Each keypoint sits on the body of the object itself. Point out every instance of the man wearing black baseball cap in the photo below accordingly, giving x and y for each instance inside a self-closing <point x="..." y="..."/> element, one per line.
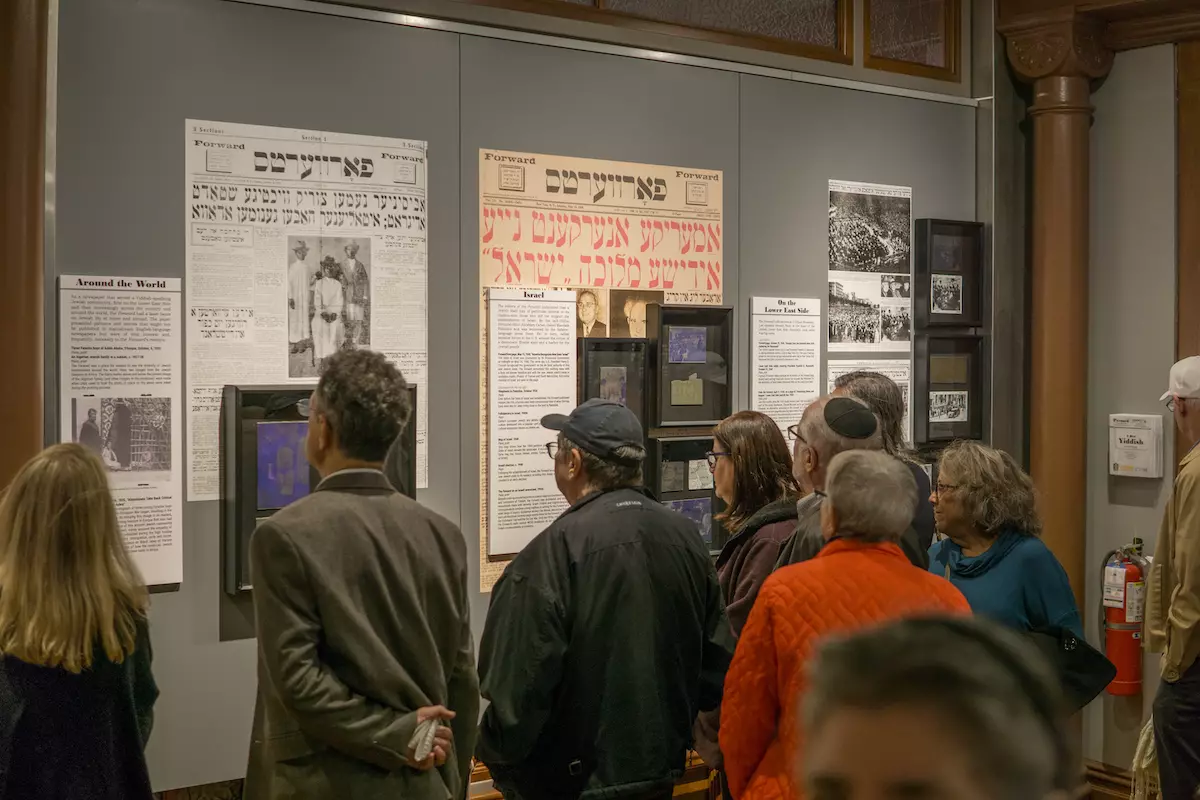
<point x="606" y="635"/>
<point x="832" y="425"/>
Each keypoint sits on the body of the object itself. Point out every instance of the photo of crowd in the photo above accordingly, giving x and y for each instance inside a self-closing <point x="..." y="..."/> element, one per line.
<point x="869" y="232"/>
<point x="948" y="406"/>
<point x="895" y="322"/>
<point x="946" y="294"/>
<point x="852" y="321"/>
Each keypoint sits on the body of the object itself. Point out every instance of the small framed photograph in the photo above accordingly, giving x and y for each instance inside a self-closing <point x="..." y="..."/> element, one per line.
<point x="948" y="271"/>
<point x="614" y="369"/>
<point x="690" y="351"/>
<point x="678" y="476"/>
<point x="947" y="388"/>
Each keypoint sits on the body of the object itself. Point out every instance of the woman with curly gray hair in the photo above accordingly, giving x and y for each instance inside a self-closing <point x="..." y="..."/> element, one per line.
<point x="984" y="503"/>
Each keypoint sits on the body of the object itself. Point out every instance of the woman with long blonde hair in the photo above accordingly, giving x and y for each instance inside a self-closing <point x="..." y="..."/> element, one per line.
<point x="76" y="691"/>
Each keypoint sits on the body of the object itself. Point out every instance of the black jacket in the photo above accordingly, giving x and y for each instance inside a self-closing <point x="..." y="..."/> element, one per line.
<point x="65" y="736"/>
<point x="923" y="523"/>
<point x="605" y="637"/>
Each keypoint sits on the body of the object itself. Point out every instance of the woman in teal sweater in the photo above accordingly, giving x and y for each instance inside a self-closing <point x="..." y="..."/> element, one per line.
<point x="984" y="503"/>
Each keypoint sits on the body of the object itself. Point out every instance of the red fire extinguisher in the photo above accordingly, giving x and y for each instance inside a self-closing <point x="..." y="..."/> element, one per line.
<point x="1125" y="572"/>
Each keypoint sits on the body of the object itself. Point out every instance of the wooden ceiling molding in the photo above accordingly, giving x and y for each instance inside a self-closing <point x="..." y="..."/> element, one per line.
<point x="1124" y="24"/>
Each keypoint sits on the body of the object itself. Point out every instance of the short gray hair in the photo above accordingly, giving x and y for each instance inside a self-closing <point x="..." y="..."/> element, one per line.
<point x="990" y="684"/>
<point x="872" y="495"/>
<point x="623" y="471"/>
<point x="828" y="442"/>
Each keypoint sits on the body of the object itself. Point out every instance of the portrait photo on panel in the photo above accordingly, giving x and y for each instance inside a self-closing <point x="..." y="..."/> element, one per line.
<point x="895" y="323"/>
<point x="328" y="299"/>
<point x="591" y="313"/>
<point x="896" y="286"/>
<point x="627" y="318"/>
<point x="946" y="294"/>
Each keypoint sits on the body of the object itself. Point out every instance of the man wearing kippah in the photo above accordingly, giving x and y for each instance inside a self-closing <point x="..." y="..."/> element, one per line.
<point x="606" y="635"/>
<point x="829" y="426"/>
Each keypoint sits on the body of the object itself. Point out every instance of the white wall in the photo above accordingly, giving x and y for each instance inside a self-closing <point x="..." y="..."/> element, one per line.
<point x="1132" y="335"/>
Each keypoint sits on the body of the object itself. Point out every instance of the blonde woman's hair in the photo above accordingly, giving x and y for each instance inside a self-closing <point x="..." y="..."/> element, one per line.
<point x="996" y="493"/>
<point x="67" y="585"/>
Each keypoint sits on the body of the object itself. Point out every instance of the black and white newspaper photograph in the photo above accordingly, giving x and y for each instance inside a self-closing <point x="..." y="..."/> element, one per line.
<point x="870" y="267"/>
<point x="948" y="406"/>
<point x="899" y="370"/>
<point x="300" y="244"/>
<point x="946" y="294"/>
<point x="628" y="314"/>
<point x="328" y="299"/>
<point x="121" y="379"/>
<point x="591" y="308"/>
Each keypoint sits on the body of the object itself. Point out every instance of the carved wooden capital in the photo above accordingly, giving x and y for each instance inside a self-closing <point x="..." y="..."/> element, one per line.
<point x="1064" y="43"/>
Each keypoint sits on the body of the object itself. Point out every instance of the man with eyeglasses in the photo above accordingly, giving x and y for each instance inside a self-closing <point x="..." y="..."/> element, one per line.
<point x="606" y="635"/>
<point x="831" y="425"/>
<point x="1173" y="603"/>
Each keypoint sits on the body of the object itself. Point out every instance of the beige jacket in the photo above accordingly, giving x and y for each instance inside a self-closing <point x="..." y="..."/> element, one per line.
<point x="1173" y="593"/>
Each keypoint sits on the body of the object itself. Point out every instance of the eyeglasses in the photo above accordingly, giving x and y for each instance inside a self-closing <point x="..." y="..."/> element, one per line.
<point x="1170" y="402"/>
<point x="712" y="455"/>
<point x="303" y="407"/>
<point x="941" y="488"/>
<point x="793" y="433"/>
<point x="552" y="449"/>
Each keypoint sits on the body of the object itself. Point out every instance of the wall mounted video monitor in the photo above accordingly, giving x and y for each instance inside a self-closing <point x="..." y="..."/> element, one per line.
<point x="949" y="274"/>
<point x="690" y="364"/>
<point x="677" y="474"/>
<point x="614" y="369"/>
<point x="264" y="467"/>
<point x="948" y="389"/>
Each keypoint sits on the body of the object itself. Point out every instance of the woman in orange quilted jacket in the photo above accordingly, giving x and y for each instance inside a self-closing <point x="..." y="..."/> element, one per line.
<point x="860" y="578"/>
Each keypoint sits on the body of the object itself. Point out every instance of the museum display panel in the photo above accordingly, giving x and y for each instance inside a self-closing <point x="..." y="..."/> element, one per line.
<point x="949" y="274"/>
<point x="677" y="473"/>
<point x="691" y="351"/>
<point x="948" y="395"/>
<point x="615" y="369"/>
<point x="264" y="467"/>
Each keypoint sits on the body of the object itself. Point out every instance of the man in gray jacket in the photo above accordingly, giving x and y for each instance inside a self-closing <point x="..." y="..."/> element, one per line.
<point x="360" y="598"/>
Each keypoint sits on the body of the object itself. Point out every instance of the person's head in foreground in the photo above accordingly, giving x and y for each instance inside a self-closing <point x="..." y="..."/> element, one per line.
<point x="870" y="497"/>
<point x="599" y="449"/>
<point x="881" y="394"/>
<point x="980" y="493"/>
<point x="935" y="709"/>
<point x="67" y="584"/>
<point x="830" y="425"/>
<point x="1183" y="397"/>
<point x="751" y="465"/>
<point x="356" y="412"/>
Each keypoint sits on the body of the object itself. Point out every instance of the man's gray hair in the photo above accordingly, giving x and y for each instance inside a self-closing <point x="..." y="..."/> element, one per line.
<point x="873" y="495"/>
<point x="828" y="442"/>
<point x="624" y="470"/>
<point x="883" y="396"/>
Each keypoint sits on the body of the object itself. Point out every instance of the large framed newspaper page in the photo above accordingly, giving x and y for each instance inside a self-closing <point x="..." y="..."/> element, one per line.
<point x="620" y="235"/>
<point x="299" y="244"/>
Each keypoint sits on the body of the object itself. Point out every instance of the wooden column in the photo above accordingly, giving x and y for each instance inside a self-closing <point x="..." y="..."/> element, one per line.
<point x="1060" y="54"/>
<point x="23" y="31"/>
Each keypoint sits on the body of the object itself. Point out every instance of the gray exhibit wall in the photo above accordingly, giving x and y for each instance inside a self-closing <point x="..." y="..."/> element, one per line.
<point x="1131" y="338"/>
<point x="132" y="72"/>
<point x="795" y="137"/>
